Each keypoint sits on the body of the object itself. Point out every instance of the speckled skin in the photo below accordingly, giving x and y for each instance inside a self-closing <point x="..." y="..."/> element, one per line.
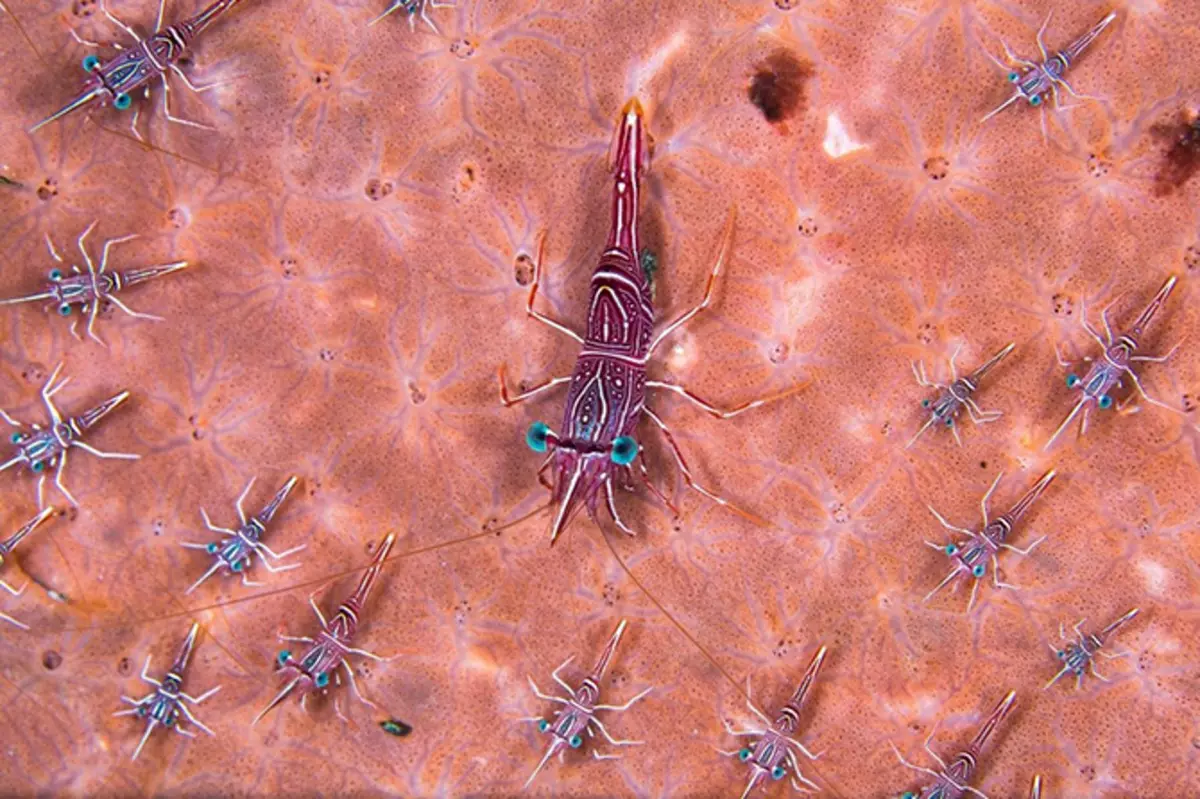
<point x="358" y="229"/>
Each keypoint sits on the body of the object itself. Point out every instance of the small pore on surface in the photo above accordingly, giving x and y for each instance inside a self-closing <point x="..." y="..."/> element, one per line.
<point x="51" y="660"/>
<point x="1182" y="158"/>
<point x="777" y="88"/>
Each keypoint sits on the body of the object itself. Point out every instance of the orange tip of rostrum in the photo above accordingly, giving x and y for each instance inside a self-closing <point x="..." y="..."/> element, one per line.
<point x="633" y="106"/>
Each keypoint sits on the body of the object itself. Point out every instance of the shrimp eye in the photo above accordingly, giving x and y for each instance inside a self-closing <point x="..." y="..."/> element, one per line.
<point x="1105" y="401"/>
<point x="322" y="680"/>
<point x="37" y="467"/>
<point x="1036" y="100"/>
<point x="237" y="566"/>
<point x="925" y="403"/>
<point x="543" y="725"/>
<point x="908" y="795"/>
<point x="536" y="436"/>
<point x="1072" y="381"/>
<point x="211" y="548"/>
<point x="575" y="742"/>
<point x="283" y="657"/>
<point x="15" y="438"/>
<point x="64" y="310"/>
<point x="978" y="569"/>
<point x="56" y="275"/>
<point x="90" y="62"/>
<point x="951" y="549"/>
<point x="949" y="421"/>
<point x="777" y="773"/>
<point x="1062" y="654"/>
<point x="122" y="101"/>
<point x="744" y="755"/>
<point x="624" y="450"/>
<point x="1012" y="78"/>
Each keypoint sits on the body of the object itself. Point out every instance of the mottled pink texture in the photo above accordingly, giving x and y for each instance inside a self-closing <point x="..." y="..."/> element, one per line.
<point x="360" y="229"/>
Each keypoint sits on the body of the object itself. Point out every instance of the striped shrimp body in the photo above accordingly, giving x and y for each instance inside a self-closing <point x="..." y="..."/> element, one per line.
<point x="1116" y="360"/>
<point x="92" y="288"/>
<point x="970" y="557"/>
<point x="43" y="448"/>
<point x="167" y="705"/>
<point x="115" y="80"/>
<point x="945" y="408"/>
<point x="775" y="750"/>
<point x="606" y="399"/>
<point x="1078" y="656"/>
<point x="311" y="670"/>
<point x="577" y="715"/>
<point x="952" y="781"/>
<point x="1038" y="79"/>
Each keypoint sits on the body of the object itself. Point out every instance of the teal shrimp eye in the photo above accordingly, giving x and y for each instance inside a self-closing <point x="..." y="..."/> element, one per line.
<point x="322" y="680"/>
<point x="575" y="742"/>
<point x="37" y="467"/>
<point x="951" y="549"/>
<point x="1062" y="655"/>
<point x="1012" y="78"/>
<point x="1072" y="381"/>
<point x="15" y="438"/>
<point x="283" y="657"/>
<point x="949" y="421"/>
<point x="122" y="101"/>
<point x="543" y="725"/>
<point x="64" y="310"/>
<point x="744" y="755"/>
<point x="908" y="795"/>
<point x="924" y="403"/>
<point x="1036" y="100"/>
<point x="536" y="436"/>
<point x="777" y="773"/>
<point x="211" y="548"/>
<point x="237" y="566"/>
<point x="624" y="450"/>
<point x="978" y="569"/>
<point x="90" y="62"/>
<point x="56" y="275"/>
<point x="1105" y="401"/>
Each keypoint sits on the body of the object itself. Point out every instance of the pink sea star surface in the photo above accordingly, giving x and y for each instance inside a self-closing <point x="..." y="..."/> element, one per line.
<point x="361" y="209"/>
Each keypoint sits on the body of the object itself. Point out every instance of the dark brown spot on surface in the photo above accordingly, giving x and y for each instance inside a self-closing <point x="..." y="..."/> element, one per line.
<point x="51" y="660"/>
<point x="124" y="667"/>
<point x="808" y="227"/>
<point x="1062" y="304"/>
<point x="48" y="189"/>
<point x="926" y="333"/>
<point x="177" y="217"/>
<point x="777" y="88"/>
<point x="83" y="8"/>
<point x="1182" y="159"/>
<point x="321" y="78"/>
<point x="288" y="265"/>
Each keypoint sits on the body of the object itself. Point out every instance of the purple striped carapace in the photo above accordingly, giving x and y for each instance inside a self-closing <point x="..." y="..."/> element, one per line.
<point x="115" y="80"/>
<point x="597" y="443"/>
<point x="312" y="670"/>
<point x="578" y="714"/>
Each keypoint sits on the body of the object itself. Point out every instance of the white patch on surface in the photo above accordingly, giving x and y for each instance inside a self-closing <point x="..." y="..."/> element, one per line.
<point x="837" y="139"/>
<point x="644" y="72"/>
<point x="683" y="352"/>
<point x="1154" y="575"/>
